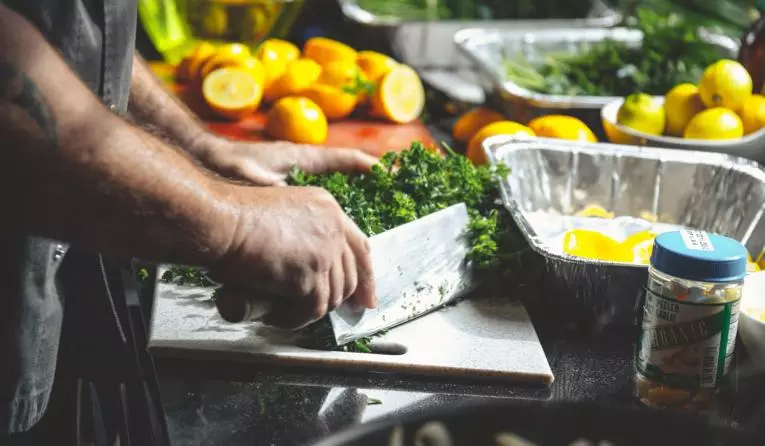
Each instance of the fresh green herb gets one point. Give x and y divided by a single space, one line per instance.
478 9
358 346
360 86
142 274
186 275
373 401
671 53
403 187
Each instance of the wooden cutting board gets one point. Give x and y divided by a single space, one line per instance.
372 136
477 338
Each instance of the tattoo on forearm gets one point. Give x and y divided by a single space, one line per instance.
18 89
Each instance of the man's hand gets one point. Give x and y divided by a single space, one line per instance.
296 248
268 163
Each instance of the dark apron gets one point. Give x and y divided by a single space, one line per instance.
103 390
106 391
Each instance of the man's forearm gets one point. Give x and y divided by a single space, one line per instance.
150 103
73 171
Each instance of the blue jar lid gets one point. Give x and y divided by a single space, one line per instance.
699 256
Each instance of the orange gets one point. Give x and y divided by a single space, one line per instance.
753 113
276 55
190 65
375 65
300 74
400 96
297 119
475 151
333 101
324 50
473 121
232 92
563 127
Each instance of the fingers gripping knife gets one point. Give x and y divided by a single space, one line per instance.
418 267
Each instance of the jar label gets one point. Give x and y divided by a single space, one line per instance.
697 240
685 344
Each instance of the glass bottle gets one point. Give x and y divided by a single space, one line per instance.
752 51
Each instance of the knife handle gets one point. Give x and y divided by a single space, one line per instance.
236 305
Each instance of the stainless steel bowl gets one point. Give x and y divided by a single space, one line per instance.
551 180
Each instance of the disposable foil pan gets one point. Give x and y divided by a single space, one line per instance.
427 45
488 48
551 180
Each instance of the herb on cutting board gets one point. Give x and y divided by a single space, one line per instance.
403 187
671 53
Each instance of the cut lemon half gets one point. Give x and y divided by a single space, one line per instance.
400 96
232 92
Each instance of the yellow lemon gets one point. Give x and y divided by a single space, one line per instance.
752 267
375 65
333 101
276 55
232 92
641 245
471 122
300 74
400 96
191 64
475 151
594 210
643 113
297 119
324 50
563 127
591 244
681 104
715 123
725 83
253 65
753 113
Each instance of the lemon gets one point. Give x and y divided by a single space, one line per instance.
725 83
681 104
594 210
563 127
641 245
753 113
642 113
595 245
715 123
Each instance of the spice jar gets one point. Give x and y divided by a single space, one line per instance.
690 318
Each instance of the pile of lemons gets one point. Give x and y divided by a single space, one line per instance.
475 126
721 107
326 81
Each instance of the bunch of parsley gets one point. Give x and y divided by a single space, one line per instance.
416 182
408 185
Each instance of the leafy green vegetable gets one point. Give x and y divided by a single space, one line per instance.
403 187
478 9
186 275
671 53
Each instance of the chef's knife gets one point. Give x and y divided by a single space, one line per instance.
418 267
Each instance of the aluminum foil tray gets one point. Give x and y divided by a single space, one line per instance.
551 180
488 48
427 45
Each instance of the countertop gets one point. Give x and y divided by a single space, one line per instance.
234 404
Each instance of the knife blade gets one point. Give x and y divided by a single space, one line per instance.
418 267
